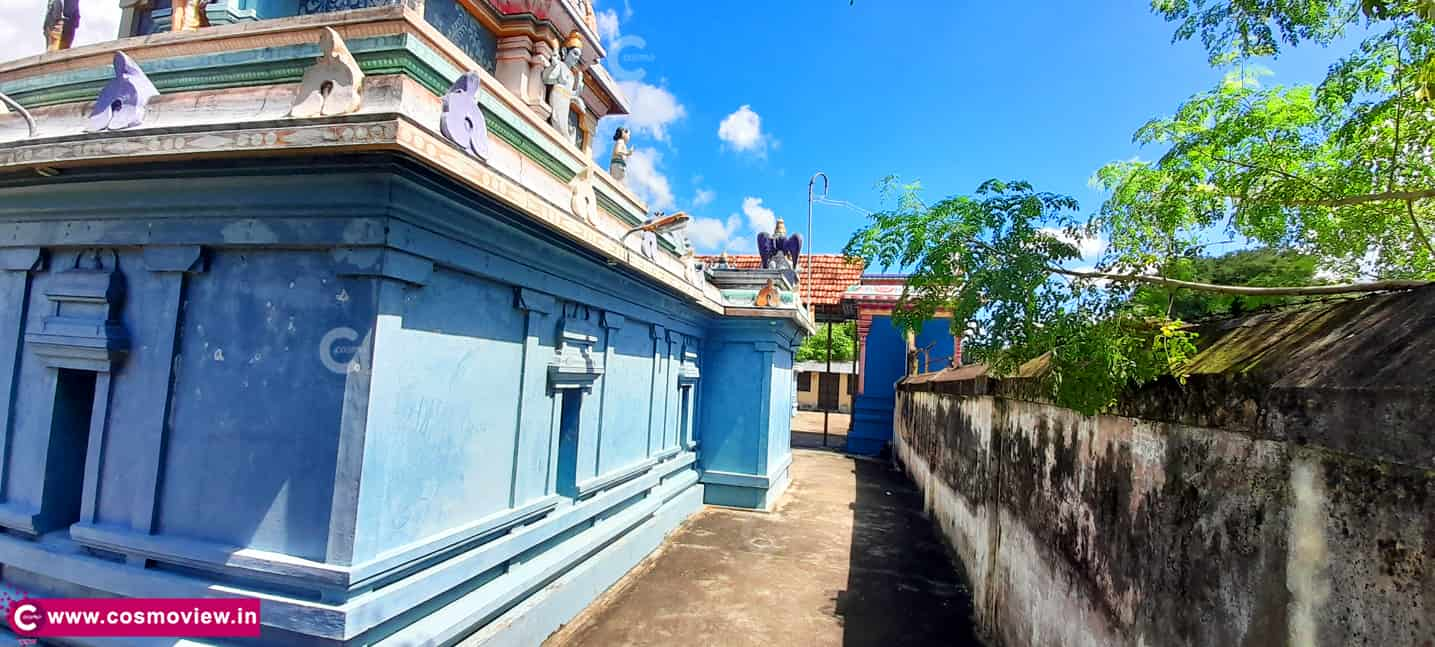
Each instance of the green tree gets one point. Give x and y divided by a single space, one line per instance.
1250 267
1342 169
1339 172
994 260
844 344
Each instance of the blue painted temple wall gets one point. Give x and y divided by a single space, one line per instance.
884 362
746 426
339 386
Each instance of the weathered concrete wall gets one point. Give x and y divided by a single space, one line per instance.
1248 529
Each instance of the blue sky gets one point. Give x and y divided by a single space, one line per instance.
951 92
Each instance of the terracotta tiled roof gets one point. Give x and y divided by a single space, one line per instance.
832 274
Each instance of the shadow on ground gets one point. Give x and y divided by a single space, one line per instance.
846 558
807 427
814 440
902 585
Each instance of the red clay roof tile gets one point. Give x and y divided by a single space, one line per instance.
832 274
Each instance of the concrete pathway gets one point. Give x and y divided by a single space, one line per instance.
846 558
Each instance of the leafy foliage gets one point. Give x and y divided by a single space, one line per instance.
844 344
987 259
1336 175
1260 267
1342 170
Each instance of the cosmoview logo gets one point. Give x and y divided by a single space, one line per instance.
338 351
627 49
25 617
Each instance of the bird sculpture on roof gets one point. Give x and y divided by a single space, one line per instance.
779 251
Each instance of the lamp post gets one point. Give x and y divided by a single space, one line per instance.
810 184
827 375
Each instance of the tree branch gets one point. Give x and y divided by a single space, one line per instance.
1289 291
1419 231
1386 196
1275 171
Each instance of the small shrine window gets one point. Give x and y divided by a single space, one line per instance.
804 381
69 440
570 414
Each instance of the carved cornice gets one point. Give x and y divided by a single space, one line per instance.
82 329
174 258
383 263
576 363
533 301
22 259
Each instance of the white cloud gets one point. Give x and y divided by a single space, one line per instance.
21 20
608 26
711 235
1089 246
654 109
760 218
742 130
703 198
648 181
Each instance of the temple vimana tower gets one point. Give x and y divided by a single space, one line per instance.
327 303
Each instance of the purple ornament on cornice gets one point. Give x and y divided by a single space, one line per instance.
122 101
462 122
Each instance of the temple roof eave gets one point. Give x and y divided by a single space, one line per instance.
206 110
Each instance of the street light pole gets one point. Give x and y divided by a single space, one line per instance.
811 183
827 375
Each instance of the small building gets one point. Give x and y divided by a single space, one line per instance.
824 388
882 356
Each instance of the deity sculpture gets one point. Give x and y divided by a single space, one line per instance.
622 150
62 18
187 15
778 250
564 79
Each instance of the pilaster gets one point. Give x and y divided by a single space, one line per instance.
532 460
656 403
16 269
542 53
746 430
515 64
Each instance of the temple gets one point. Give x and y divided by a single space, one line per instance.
327 304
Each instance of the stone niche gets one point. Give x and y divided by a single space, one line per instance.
576 364
82 330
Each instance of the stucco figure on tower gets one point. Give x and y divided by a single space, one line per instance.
564 79
333 85
584 201
778 250
622 150
122 101
187 15
768 296
462 121
62 18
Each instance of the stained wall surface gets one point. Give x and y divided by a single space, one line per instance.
1251 507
